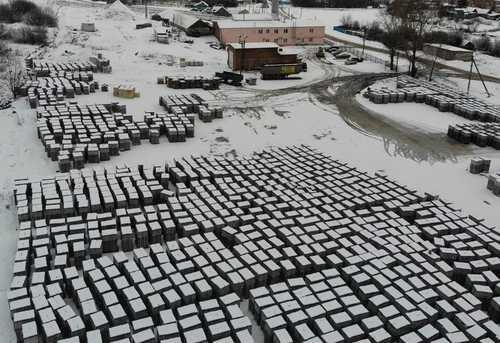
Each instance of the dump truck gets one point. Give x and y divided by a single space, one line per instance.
281 71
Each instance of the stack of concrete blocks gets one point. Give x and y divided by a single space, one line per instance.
44 68
74 134
444 98
319 259
50 91
192 82
494 184
479 165
100 63
480 134
88 27
191 104
190 63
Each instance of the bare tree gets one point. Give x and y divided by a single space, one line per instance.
391 36
15 72
417 19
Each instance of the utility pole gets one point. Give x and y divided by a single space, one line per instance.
146 8
364 41
242 40
470 74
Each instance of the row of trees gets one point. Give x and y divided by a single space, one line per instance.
335 3
11 69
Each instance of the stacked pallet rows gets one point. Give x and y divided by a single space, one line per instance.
75 134
186 104
190 82
43 68
324 252
51 91
437 95
480 134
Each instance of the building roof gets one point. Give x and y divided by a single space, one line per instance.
236 24
255 45
449 47
184 20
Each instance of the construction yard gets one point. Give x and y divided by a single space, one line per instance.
145 199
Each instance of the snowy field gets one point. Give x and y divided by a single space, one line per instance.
272 113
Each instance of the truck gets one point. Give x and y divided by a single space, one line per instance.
230 78
281 71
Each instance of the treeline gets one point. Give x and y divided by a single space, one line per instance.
34 20
375 32
27 12
335 3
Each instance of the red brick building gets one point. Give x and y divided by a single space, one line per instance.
254 55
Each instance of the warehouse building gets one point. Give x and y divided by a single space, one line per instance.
448 52
253 56
191 25
269 31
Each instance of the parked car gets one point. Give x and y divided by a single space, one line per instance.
343 56
216 46
351 61
333 49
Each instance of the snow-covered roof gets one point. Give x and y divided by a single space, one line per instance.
184 20
254 45
449 47
235 24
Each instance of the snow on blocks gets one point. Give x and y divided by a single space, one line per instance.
74 135
480 134
193 103
323 251
444 98
51 91
190 82
100 63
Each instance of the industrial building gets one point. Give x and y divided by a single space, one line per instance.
293 32
448 52
253 56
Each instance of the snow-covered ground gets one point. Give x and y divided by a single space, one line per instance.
271 113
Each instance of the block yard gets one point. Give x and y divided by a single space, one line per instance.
160 186
321 249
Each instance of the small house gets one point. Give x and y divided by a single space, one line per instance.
191 25
220 11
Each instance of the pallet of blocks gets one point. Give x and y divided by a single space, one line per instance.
125 91
192 82
319 250
100 63
480 134
191 104
74 135
440 96
44 68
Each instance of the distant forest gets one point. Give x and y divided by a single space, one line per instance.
335 3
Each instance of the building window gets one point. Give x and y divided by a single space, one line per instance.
276 40
266 40
311 30
261 31
285 40
267 30
310 39
275 30
285 30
